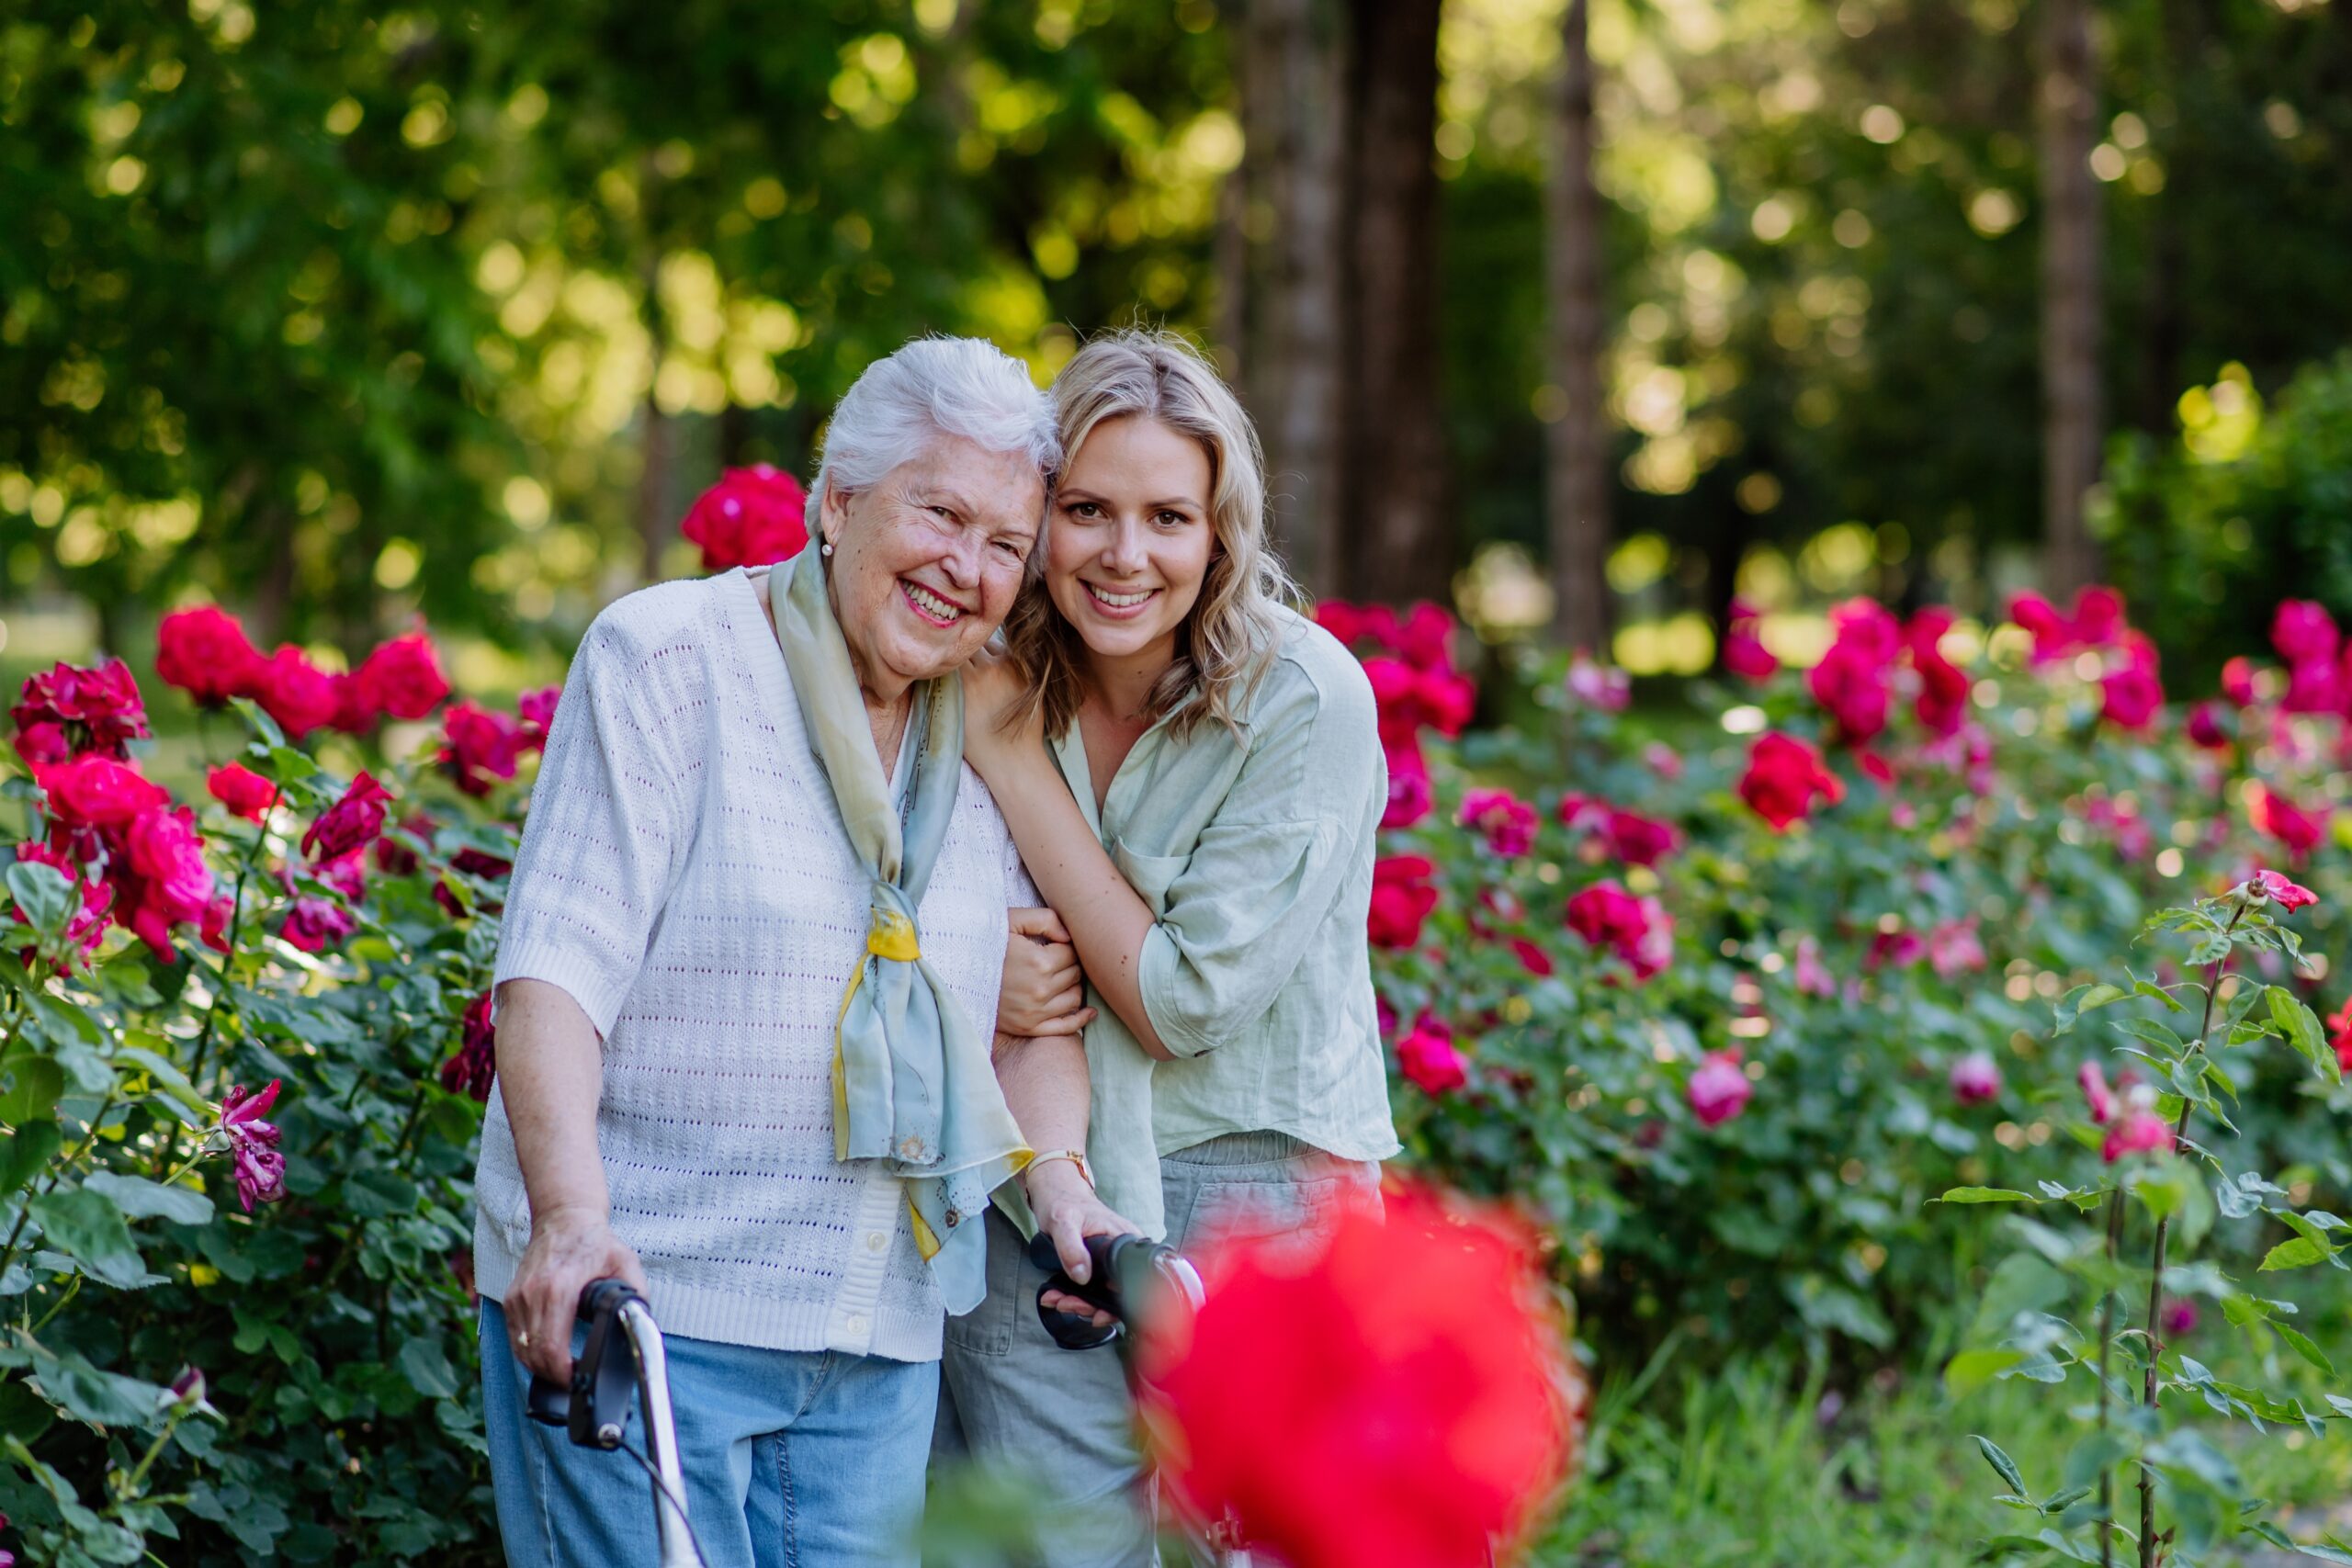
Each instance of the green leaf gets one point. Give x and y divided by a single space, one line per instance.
34 1085
2303 1030
427 1370
1972 1370
99 1397
2299 1252
28 1150
141 1199
167 1074
2303 1347
260 722
88 1226
2003 1465
287 765
44 892
1987 1195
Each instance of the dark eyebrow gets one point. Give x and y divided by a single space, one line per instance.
1066 494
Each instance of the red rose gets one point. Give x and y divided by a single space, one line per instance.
203 651
350 825
1637 931
1410 700
245 793
2099 616
296 692
91 791
1744 653
2277 816
750 517
2052 633
2304 632
474 1067
1783 775
479 747
2205 727
162 880
1637 839
86 928
1401 899
394 858
1428 1059
1388 1394
403 677
1531 958
316 924
2339 1027
1424 637
96 709
1353 624
1855 686
354 714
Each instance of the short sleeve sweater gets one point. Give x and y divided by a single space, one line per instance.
685 877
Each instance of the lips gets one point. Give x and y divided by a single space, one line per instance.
930 605
1111 603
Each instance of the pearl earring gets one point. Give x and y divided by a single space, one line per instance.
825 548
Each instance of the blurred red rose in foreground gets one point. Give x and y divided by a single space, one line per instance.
1396 1397
750 517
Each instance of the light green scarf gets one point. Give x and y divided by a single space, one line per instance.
913 1082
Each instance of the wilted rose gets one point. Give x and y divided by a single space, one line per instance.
2279 890
750 517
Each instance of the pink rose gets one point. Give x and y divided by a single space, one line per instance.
2141 1131
1506 822
2096 1096
92 791
1603 687
1428 1058
2304 632
1719 1090
1975 1078
1401 899
750 517
316 924
1955 949
2130 696
2287 895
534 712
1744 653
2205 727
1812 976
2237 682
1410 793
245 793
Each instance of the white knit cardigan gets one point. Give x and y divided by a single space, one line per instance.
685 877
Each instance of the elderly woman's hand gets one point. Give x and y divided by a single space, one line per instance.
569 1247
1068 1210
1043 990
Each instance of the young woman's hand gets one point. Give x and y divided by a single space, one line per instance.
1068 1210
1043 990
992 691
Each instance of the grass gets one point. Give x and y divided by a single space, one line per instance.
1741 1467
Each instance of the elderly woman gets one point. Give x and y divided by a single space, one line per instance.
746 989
1193 774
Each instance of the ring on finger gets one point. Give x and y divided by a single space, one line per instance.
523 1337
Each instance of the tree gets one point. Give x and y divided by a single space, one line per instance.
2073 428
1577 480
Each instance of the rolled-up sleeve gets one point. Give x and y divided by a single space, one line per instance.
1245 910
609 825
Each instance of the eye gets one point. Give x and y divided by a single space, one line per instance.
1083 509
1017 548
941 511
1172 520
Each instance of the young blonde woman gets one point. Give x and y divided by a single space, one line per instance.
1192 771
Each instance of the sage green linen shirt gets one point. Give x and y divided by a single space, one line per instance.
1254 854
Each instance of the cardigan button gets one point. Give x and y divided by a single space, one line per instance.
875 1241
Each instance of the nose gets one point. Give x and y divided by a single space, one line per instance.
962 561
1122 551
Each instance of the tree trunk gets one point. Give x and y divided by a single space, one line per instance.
2070 290
1294 119
1577 446
1399 541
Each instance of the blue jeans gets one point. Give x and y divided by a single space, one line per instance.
792 1459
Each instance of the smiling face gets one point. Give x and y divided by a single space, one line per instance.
927 561
1132 538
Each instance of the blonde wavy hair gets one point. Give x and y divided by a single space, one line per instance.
1229 639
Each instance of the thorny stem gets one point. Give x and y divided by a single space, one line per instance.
2156 1275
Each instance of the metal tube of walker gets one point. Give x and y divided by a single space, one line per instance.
660 1437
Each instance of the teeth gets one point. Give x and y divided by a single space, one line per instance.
1118 601
932 604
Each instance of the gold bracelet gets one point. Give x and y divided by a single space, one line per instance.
1075 1157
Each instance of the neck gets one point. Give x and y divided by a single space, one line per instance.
882 695
1122 682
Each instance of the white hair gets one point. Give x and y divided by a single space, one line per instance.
933 387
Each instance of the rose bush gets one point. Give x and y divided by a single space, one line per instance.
243 1044
1728 1051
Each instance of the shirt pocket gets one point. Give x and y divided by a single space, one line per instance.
1151 875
